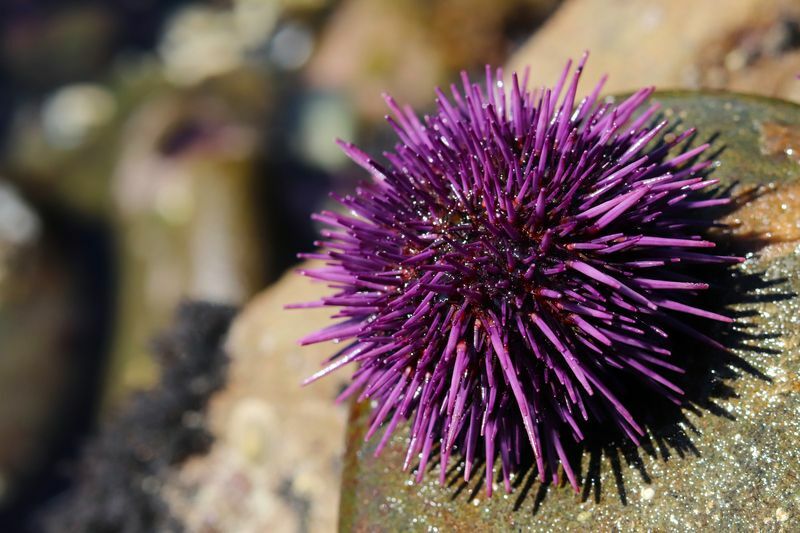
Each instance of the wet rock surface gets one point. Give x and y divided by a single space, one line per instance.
728 460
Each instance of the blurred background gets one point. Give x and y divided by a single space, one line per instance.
157 151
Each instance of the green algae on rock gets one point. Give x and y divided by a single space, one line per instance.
729 460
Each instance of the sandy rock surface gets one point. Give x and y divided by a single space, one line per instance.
276 463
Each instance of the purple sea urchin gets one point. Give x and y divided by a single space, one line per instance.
513 268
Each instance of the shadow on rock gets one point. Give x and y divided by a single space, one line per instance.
709 381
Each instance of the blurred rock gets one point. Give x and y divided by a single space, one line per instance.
200 42
276 460
184 189
117 481
62 44
75 111
472 33
322 118
291 46
54 315
773 76
171 148
34 297
20 230
64 132
406 47
370 47
65 147
745 45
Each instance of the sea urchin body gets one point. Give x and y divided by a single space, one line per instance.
512 267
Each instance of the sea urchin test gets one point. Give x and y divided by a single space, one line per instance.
513 266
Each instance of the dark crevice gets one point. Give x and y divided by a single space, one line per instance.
118 477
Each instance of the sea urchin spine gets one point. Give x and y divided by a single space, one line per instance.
513 267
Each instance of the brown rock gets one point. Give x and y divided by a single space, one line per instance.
746 45
406 47
767 218
370 47
36 297
776 76
275 465
53 311
182 189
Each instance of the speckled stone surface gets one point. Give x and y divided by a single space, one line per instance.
729 460
275 462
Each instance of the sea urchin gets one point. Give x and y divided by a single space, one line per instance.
513 269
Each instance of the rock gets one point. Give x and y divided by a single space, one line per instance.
749 45
371 47
55 305
775 76
34 318
276 461
406 47
117 482
57 45
729 461
183 189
